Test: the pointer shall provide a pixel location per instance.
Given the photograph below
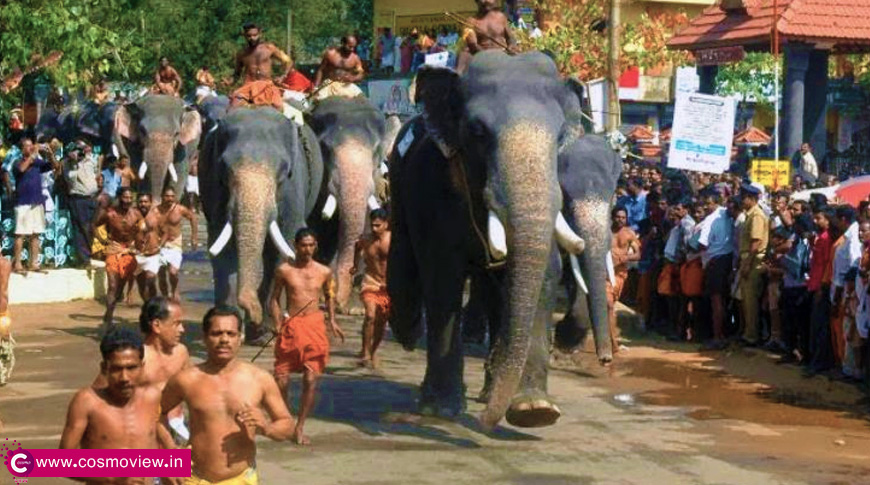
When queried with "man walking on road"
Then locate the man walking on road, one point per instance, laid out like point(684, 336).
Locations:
point(169, 214)
point(122, 226)
point(374, 248)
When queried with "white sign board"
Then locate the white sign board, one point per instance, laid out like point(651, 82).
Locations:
point(702, 134)
point(438, 60)
point(687, 81)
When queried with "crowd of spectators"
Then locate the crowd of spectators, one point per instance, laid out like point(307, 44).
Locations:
point(39, 177)
point(720, 261)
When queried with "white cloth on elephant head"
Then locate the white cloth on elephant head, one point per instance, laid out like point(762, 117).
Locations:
point(338, 89)
point(203, 92)
point(294, 115)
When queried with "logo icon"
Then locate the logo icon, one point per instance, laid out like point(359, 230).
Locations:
point(19, 461)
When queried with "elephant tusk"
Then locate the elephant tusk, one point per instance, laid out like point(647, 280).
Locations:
point(373, 203)
point(611, 273)
point(497, 236)
point(115, 150)
point(567, 238)
point(578, 277)
point(213, 128)
point(384, 168)
point(329, 207)
point(143, 167)
point(173, 173)
point(221, 240)
point(279, 241)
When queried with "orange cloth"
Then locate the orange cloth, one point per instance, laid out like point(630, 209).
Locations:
point(668, 283)
point(123, 264)
point(692, 278)
point(380, 298)
point(302, 344)
point(258, 93)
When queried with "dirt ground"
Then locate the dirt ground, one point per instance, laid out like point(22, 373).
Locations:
point(662, 414)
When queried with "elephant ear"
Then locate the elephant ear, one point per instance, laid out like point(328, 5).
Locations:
point(125, 122)
point(572, 107)
point(191, 127)
point(440, 92)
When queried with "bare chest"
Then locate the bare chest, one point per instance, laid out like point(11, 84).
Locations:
point(222, 397)
point(133, 426)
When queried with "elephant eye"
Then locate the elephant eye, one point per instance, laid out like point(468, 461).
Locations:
point(477, 129)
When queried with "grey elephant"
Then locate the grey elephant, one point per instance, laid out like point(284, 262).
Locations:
point(351, 132)
point(257, 184)
point(475, 179)
point(160, 135)
point(92, 121)
point(588, 173)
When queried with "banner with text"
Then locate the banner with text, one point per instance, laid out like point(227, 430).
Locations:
point(702, 133)
point(772, 174)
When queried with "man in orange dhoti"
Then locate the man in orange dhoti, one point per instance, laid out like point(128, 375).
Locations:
point(375, 248)
point(256, 61)
point(625, 247)
point(302, 345)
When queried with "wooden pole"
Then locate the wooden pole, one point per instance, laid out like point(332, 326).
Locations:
point(776, 80)
point(613, 68)
point(289, 30)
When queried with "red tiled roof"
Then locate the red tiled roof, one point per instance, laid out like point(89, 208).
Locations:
point(840, 22)
point(640, 133)
point(752, 135)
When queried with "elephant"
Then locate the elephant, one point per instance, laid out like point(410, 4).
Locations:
point(212, 110)
point(351, 132)
point(475, 179)
point(160, 135)
point(588, 173)
point(94, 122)
point(257, 185)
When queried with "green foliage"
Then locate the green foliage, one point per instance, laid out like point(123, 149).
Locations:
point(753, 78)
point(583, 52)
point(123, 39)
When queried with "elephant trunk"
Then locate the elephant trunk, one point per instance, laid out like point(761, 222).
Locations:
point(158, 155)
point(353, 164)
point(527, 172)
point(253, 209)
point(591, 216)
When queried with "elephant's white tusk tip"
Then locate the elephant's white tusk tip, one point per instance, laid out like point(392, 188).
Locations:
point(497, 236)
point(143, 168)
point(373, 203)
point(329, 207)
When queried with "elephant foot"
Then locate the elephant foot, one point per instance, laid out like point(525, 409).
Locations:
point(532, 412)
point(569, 337)
point(444, 412)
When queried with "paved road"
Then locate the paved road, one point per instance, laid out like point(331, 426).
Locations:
point(662, 414)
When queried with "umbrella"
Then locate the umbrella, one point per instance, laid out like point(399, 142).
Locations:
point(854, 190)
point(804, 195)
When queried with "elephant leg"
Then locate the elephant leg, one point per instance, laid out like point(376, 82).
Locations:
point(442, 391)
point(474, 314)
point(491, 289)
point(531, 407)
point(221, 269)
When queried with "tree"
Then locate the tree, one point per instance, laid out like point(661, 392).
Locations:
point(580, 49)
point(752, 78)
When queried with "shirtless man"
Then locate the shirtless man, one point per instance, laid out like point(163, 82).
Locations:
point(169, 214)
point(162, 324)
point(149, 259)
point(123, 414)
point(339, 69)
point(491, 31)
point(374, 248)
point(255, 61)
point(625, 249)
point(122, 227)
point(166, 80)
point(128, 176)
point(204, 84)
point(224, 396)
point(302, 344)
